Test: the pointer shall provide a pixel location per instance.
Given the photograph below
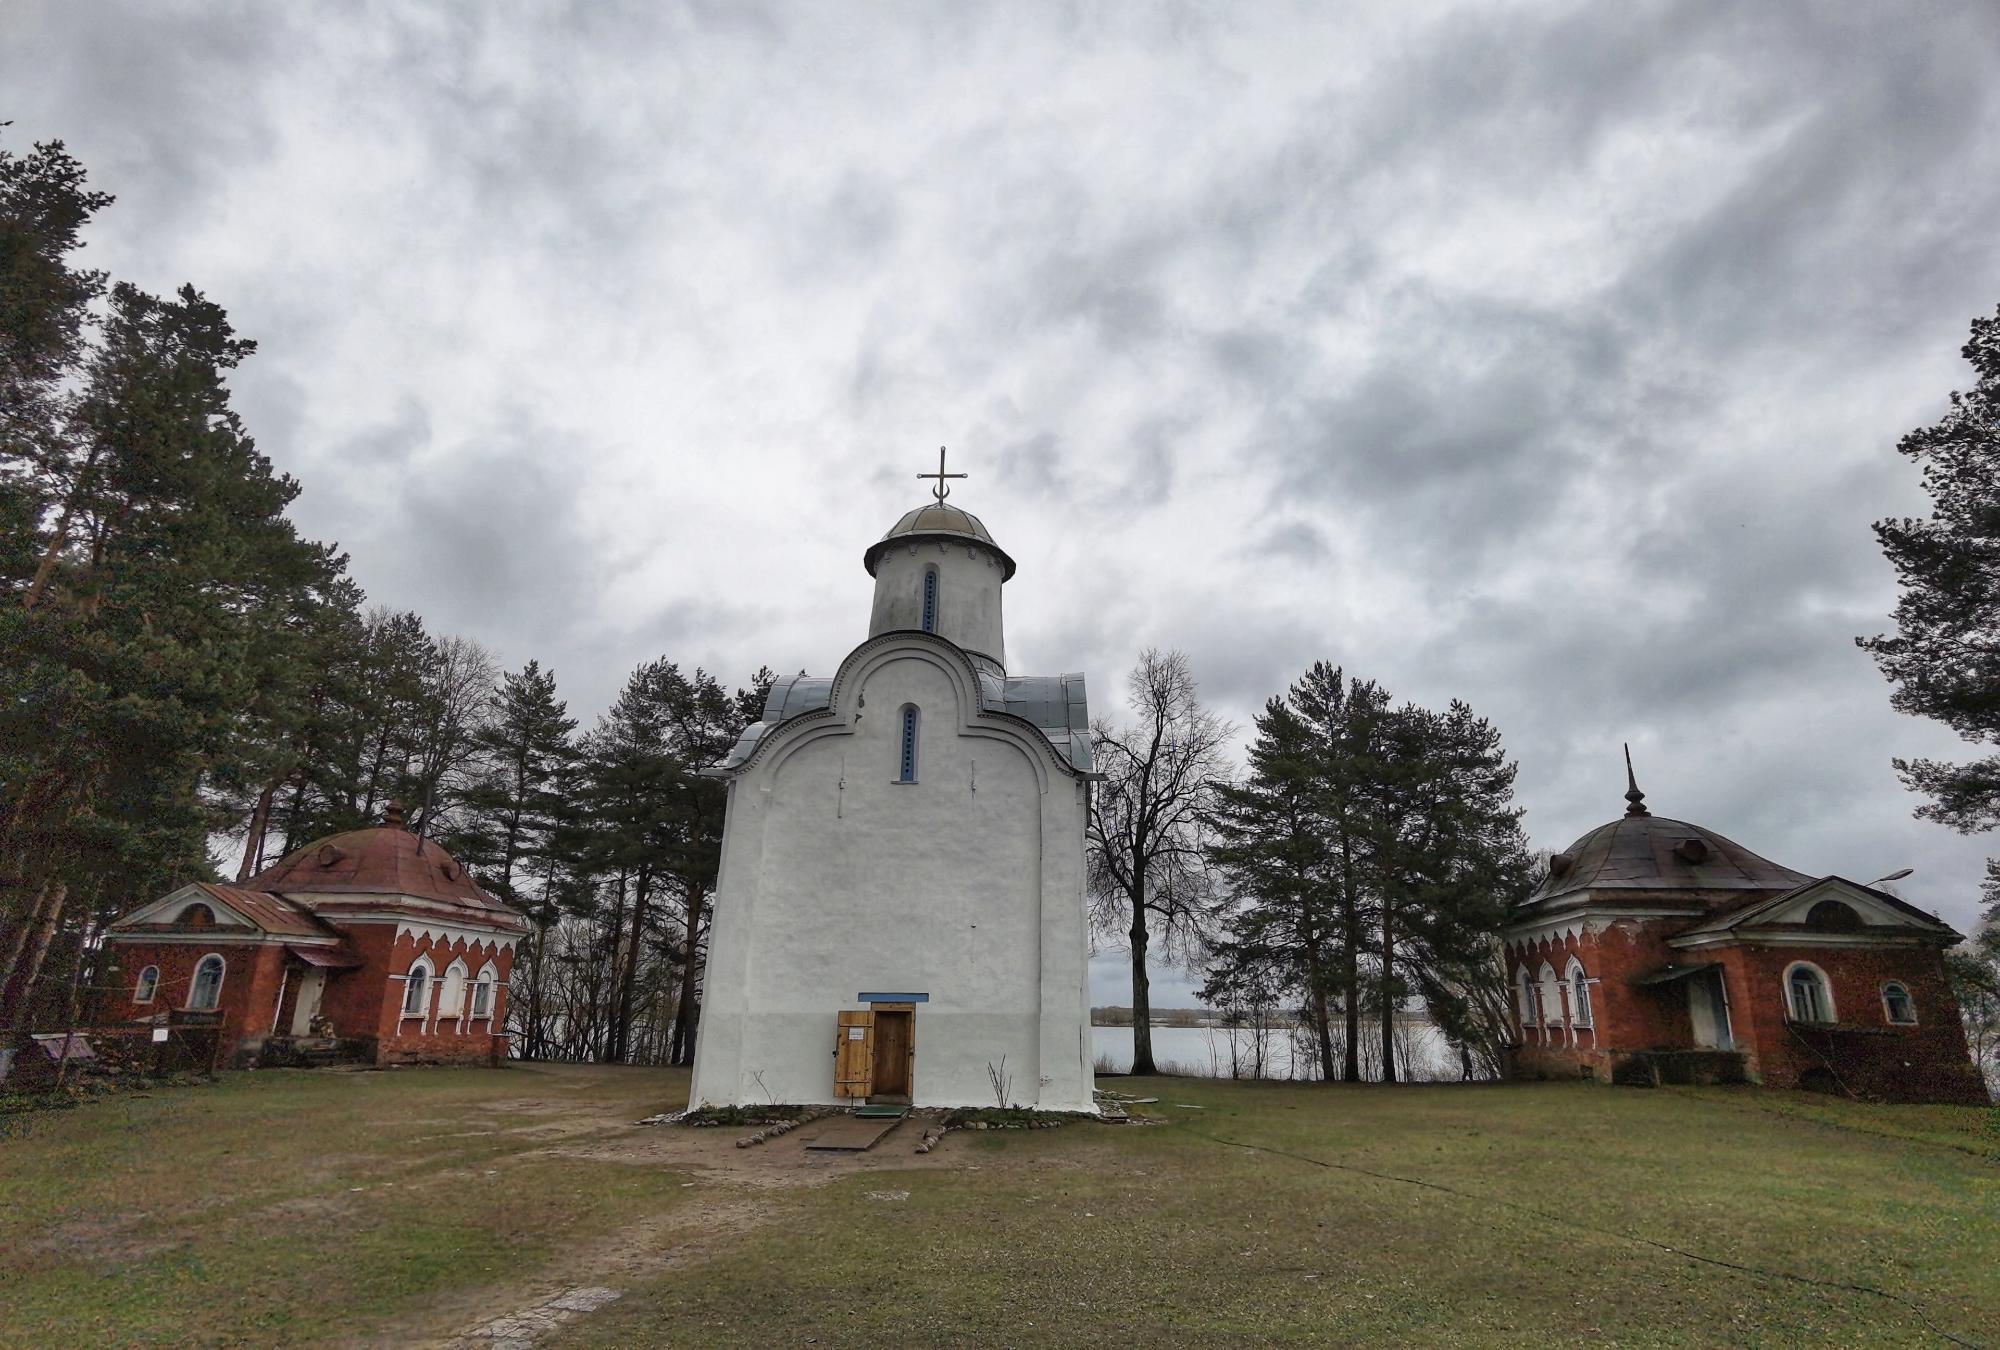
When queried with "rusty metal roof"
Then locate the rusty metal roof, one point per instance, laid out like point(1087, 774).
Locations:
point(384, 860)
point(1653, 853)
point(937, 521)
point(272, 913)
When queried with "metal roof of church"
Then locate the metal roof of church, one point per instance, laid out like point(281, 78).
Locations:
point(938, 520)
point(384, 860)
point(1653, 853)
point(1644, 852)
point(1058, 706)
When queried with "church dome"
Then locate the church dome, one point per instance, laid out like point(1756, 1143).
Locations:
point(384, 860)
point(1644, 852)
point(941, 521)
point(1653, 853)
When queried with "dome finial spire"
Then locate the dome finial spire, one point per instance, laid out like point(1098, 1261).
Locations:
point(941, 491)
point(1636, 798)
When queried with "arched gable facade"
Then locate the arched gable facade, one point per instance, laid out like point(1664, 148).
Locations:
point(961, 881)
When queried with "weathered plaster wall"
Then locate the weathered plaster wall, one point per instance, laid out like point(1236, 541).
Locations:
point(969, 582)
point(966, 885)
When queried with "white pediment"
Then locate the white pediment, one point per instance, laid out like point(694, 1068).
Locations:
point(169, 908)
point(1875, 911)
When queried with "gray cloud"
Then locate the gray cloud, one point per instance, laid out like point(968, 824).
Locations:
point(1551, 359)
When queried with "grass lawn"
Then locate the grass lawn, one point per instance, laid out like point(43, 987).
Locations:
point(231, 1213)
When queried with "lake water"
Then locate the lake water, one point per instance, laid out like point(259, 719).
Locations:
point(1205, 1052)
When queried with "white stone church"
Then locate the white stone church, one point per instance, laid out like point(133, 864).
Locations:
point(900, 911)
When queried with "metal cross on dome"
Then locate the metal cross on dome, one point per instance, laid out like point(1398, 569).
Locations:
point(941, 491)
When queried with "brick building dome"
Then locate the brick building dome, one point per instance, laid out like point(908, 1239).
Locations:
point(1654, 853)
point(385, 860)
point(1644, 852)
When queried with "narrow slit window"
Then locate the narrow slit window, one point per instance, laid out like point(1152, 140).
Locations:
point(930, 599)
point(906, 771)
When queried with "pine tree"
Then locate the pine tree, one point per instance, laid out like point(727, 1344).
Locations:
point(1284, 931)
point(165, 592)
point(525, 744)
point(1945, 657)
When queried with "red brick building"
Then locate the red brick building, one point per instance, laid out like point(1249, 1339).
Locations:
point(1659, 950)
point(374, 942)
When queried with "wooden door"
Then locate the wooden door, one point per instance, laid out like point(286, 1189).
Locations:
point(854, 1053)
point(893, 1048)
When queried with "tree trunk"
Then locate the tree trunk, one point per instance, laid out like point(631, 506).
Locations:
point(18, 943)
point(1388, 992)
point(622, 1032)
point(1142, 999)
point(601, 1050)
point(1322, 1031)
point(15, 1006)
point(253, 846)
point(686, 1014)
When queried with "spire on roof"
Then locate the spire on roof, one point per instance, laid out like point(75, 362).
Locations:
point(392, 815)
point(1636, 798)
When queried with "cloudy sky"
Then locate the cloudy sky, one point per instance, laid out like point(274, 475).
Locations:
point(1551, 356)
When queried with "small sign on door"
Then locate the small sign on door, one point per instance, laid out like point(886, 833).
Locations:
point(856, 1033)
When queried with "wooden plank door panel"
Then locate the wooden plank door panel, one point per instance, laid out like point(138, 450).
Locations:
point(892, 1053)
point(854, 1053)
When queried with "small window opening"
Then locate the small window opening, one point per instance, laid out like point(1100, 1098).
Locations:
point(930, 599)
point(482, 992)
point(413, 990)
point(1527, 996)
point(206, 991)
point(1579, 995)
point(1810, 1000)
point(907, 768)
point(198, 916)
point(1897, 1003)
point(149, 984)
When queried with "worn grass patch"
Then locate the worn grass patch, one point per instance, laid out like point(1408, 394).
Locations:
point(295, 1206)
point(1168, 1234)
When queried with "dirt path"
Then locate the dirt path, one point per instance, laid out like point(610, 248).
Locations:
point(733, 1191)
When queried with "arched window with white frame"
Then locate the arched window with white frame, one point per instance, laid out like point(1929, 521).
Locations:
point(148, 985)
point(906, 762)
point(451, 990)
point(1551, 989)
point(482, 991)
point(1579, 994)
point(1897, 1005)
point(205, 990)
point(1525, 991)
point(1808, 994)
point(415, 986)
point(930, 599)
